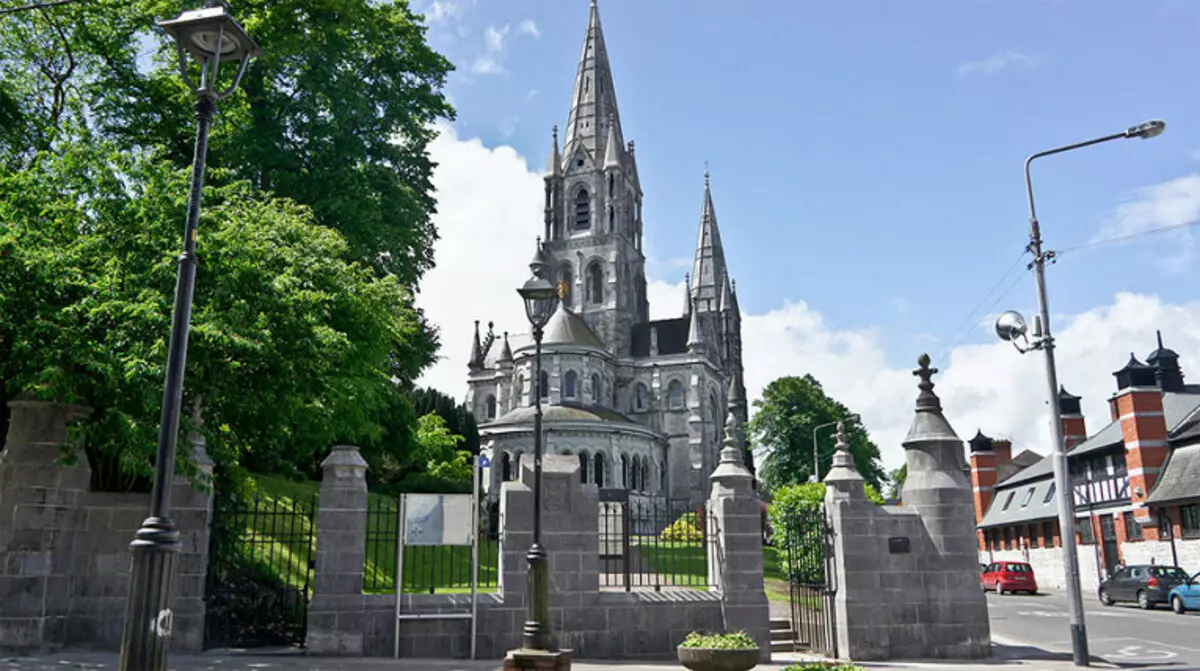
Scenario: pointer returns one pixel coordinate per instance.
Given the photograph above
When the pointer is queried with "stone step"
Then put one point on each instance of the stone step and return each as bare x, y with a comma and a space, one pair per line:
781, 623
782, 646
782, 635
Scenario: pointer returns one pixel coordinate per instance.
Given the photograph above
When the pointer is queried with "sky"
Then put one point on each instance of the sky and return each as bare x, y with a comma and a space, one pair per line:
867, 171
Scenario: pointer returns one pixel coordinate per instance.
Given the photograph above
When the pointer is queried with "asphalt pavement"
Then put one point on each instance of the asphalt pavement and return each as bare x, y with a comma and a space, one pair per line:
1122, 635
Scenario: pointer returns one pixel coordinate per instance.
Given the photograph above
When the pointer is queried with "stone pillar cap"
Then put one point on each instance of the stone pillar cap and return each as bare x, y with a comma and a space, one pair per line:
344, 455
843, 462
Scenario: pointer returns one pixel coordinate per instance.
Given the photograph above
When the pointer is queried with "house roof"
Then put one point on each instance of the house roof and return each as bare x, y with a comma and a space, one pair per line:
1029, 502
1180, 479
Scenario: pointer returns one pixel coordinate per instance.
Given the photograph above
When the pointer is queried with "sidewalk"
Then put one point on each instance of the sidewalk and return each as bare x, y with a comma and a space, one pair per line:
1014, 657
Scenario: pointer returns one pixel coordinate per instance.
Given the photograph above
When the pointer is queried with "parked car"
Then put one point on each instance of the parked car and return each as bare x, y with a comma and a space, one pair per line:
1186, 597
1145, 584
1009, 576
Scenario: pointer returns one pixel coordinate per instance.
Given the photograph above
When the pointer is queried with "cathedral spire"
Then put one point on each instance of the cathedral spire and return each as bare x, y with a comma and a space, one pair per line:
594, 111
612, 151
555, 167
476, 360
708, 270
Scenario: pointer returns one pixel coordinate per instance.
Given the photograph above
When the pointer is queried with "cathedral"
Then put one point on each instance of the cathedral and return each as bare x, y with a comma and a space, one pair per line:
641, 402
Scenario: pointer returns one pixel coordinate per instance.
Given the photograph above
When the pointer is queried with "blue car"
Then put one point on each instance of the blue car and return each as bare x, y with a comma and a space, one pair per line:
1186, 597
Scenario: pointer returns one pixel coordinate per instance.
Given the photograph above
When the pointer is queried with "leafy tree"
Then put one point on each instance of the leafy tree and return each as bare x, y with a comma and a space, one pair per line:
790, 500
782, 426
457, 416
896, 479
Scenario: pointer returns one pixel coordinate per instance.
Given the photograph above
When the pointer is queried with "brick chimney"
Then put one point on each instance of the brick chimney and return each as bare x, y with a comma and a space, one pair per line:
983, 472
1074, 428
1003, 449
1144, 429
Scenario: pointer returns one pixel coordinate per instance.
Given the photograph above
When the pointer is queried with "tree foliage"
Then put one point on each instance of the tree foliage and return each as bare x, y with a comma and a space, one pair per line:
316, 227
896, 480
457, 416
790, 500
782, 426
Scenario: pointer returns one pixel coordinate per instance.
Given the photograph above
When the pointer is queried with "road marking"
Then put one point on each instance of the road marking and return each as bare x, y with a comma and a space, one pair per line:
1139, 652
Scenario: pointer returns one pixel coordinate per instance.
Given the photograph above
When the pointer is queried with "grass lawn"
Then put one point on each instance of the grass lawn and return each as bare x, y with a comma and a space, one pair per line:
678, 564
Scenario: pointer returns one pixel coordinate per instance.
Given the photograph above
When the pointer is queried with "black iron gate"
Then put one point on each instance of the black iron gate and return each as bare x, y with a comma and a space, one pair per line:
260, 572
650, 542
808, 545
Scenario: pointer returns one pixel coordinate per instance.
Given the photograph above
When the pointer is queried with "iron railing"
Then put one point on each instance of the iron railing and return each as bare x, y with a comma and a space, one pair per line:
808, 551
652, 543
260, 571
428, 569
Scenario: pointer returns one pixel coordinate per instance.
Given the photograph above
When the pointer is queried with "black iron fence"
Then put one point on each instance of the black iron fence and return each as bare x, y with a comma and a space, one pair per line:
652, 543
260, 571
428, 569
808, 551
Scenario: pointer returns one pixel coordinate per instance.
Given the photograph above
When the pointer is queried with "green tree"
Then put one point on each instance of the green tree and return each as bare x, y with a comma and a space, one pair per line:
457, 416
438, 463
790, 500
782, 426
896, 480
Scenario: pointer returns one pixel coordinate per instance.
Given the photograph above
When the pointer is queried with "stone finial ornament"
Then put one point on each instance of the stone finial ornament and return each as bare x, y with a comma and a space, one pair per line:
927, 401
844, 473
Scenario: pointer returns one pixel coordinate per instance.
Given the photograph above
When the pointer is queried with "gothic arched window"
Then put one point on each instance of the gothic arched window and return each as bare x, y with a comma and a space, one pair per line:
625, 471
641, 398
595, 283
583, 210
566, 282
491, 407
645, 470
598, 471
596, 389
675, 395
570, 381
544, 385
583, 468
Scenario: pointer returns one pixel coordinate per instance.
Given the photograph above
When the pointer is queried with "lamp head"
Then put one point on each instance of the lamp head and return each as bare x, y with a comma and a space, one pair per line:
1147, 130
1011, 326
211, 32
540, 298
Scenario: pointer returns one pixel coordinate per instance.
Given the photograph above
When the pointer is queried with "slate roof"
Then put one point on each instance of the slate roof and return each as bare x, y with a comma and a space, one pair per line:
1025, 504
1181, 477
566, 412
567, 328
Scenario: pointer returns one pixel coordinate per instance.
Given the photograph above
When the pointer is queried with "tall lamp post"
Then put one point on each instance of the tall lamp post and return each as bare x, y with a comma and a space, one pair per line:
540, 298
210, 36
1011, 326
816, 455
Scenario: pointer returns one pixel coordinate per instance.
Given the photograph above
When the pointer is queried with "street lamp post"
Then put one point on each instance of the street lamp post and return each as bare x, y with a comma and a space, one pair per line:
816, 455
210, 35
1011, 326
540, 298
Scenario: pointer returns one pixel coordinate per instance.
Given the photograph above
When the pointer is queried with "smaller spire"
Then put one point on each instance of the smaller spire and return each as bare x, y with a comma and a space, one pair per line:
476, 360
555, 167
687, 294
843, 471
726, 301
612, 150
695, 343
505, 351
538, 264
731, 475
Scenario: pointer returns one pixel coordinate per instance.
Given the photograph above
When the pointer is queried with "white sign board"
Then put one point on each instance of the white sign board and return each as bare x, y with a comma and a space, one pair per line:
438, 519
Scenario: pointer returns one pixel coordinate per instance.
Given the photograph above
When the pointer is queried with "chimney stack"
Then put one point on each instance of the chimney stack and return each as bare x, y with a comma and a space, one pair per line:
983, 472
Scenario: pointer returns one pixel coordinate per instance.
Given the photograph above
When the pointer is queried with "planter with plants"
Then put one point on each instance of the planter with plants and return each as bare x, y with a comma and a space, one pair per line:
718, 652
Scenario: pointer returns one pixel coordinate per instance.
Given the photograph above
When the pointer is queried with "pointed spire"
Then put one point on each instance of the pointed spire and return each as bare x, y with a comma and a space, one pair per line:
708, 269
612, 152
505, 351
687, 294
476, 360
594, 114
695, 343
555, 167
726, 301
731, 474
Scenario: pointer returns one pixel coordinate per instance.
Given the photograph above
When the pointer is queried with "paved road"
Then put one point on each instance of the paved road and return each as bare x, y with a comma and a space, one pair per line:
1123, 635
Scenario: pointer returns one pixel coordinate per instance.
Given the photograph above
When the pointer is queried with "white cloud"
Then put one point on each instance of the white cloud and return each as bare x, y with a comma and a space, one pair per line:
490, 211
1171, 205
508, 127
441, 11
528, 27
1000, 61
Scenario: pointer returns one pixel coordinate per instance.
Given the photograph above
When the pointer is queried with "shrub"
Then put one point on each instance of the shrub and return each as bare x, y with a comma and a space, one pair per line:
736, 641
684, 530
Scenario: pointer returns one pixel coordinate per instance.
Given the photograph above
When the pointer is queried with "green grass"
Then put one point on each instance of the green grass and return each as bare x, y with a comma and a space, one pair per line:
682, 564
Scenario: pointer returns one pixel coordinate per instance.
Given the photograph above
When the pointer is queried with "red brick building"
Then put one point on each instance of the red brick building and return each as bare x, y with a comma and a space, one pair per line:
1136, 481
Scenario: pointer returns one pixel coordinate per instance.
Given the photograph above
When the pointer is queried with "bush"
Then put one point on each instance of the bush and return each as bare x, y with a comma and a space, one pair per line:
736, 641
684, 530
794, 500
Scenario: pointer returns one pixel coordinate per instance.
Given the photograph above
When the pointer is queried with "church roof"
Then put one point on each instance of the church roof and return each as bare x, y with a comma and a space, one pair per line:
567, 328
567, 412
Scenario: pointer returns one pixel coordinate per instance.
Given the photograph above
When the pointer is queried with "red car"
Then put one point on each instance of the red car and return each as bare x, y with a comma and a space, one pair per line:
1009, 576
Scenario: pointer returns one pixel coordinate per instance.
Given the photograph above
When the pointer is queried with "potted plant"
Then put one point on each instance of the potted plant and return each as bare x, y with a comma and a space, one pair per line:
718, 652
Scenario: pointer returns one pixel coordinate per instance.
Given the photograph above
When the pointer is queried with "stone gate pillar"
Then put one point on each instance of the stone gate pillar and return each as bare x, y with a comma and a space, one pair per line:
737, 567
40, 516
336, 614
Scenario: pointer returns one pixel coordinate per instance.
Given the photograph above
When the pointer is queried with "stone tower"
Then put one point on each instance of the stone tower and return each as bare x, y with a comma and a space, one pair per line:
593, 210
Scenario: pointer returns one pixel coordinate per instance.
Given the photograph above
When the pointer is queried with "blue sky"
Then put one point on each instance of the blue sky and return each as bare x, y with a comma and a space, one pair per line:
867, 156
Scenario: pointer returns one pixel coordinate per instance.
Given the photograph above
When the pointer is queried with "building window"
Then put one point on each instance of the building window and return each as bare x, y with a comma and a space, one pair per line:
625, 471
596, 391
1164, 525
1028, 497
1190, 515
583, 468
1086, 535
989, 539
506, 467
566, 282
1133, 530
490, 404
641, 398
569, 383
1008, 501
583, 210
544, 385
1048, 533
1049, 494
595, 284
675, 395
1008, 538
1033, 536
598, 469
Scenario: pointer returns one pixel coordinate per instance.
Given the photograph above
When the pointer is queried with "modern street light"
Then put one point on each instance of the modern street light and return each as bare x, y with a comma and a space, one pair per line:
209, 35
816, 455
1011, 326
540, 298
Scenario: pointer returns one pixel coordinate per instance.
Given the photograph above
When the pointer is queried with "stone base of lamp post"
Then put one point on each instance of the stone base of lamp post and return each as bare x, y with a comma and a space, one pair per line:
543, 660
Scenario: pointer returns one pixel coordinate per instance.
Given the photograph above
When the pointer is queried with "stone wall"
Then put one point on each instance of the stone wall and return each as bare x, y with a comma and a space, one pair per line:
64, 551
591, 622
1048, 565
